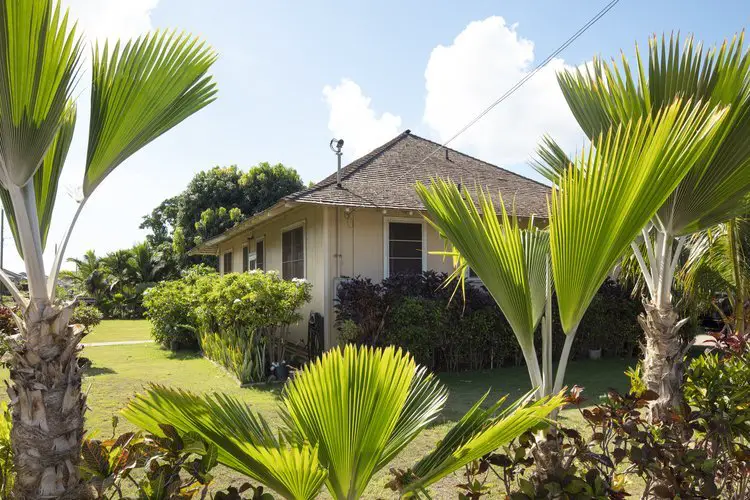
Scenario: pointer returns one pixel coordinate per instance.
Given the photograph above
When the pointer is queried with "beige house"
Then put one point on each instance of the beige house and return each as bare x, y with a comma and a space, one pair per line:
371, 225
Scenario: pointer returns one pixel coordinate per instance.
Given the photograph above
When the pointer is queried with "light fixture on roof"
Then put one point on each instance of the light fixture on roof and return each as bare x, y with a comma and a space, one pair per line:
336, 145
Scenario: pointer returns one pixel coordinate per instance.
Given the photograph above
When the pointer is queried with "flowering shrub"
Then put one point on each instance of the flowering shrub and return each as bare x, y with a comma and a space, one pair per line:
243, 316
86, 315
171, 306
235, 318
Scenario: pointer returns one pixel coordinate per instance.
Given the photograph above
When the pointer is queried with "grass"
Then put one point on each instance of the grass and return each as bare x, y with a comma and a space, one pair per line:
118, 372
119, 330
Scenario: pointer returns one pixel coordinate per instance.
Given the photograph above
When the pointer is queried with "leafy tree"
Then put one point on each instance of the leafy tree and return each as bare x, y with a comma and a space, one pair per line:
162, 220
216, 200
139, 91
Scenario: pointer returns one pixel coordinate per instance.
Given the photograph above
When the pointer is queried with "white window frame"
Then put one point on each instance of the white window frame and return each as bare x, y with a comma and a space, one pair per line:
286, 229
256, 241
386, 240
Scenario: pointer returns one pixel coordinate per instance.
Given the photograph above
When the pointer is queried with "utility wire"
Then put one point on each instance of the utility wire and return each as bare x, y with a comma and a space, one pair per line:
520, 83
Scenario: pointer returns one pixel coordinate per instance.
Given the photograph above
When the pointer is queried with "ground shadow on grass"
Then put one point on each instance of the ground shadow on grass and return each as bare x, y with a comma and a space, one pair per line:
596, 377
93, 371
182, 354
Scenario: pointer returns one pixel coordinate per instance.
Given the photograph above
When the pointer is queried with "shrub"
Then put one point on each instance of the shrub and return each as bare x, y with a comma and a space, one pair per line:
171, 306
7, 323
243, 320
414, 323
170, 465
7, 474
467, 330
86, 315
360, 311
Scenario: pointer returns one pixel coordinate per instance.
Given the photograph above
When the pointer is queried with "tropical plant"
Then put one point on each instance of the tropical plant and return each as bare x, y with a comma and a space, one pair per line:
346, 415
616, 185
139, 90
168, 466
605, 95
86, 315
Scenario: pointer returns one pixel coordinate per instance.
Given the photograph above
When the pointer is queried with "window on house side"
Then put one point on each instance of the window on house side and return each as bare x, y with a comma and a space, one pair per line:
405, 248
245, 259
293, 253
260, 255
227, 262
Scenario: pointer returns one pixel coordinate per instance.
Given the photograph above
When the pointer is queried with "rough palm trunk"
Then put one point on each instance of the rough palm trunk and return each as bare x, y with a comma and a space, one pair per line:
664, 353
48, 405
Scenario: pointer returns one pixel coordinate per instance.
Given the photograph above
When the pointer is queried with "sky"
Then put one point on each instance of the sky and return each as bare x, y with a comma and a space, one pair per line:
292, 75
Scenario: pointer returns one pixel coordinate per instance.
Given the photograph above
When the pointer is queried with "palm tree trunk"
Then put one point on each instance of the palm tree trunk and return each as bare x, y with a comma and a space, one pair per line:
663, 358
48, 404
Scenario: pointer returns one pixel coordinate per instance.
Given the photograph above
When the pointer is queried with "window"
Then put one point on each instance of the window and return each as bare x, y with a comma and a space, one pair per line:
260, 255
293, 253
227, 262
405, 248
245, 259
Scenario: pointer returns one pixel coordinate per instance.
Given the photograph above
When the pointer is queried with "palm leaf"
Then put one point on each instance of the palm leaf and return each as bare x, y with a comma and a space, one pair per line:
604, 95
613, 189
46, 179
510, 261
478, 433
39, 55
139, 92
552, 159
244, 440
360, 406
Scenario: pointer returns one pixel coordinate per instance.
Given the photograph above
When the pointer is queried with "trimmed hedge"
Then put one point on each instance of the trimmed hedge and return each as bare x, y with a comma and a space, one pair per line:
453, 333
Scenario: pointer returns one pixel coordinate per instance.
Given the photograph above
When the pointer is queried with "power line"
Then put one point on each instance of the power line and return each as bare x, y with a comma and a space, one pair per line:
520, 82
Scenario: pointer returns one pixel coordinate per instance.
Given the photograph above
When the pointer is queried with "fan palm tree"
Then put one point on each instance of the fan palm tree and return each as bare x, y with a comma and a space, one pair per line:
604, 95
601, 201
139, 90
717, 269
346, 415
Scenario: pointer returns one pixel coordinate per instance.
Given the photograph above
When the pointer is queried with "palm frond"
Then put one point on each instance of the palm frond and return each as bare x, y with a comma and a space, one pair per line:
551, 161
39, 56
45, 180
244, 440
139, 92
359, 406
602, 96
611, 192
510, 261
477, 433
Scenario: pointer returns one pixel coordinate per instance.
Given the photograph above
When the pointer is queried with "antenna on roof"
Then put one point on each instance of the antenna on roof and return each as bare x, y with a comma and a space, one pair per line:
336, 145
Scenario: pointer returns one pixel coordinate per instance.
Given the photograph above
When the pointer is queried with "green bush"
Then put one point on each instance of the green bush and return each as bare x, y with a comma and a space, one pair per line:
171, 307
7, 474
86, 315
243, 320
239, 320
413, 324
469, 332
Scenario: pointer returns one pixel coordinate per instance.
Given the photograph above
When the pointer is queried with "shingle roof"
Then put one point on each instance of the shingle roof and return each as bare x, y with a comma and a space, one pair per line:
385, 178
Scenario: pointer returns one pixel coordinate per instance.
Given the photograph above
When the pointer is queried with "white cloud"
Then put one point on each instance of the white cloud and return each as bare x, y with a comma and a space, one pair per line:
352, 118
487, 58
111, 19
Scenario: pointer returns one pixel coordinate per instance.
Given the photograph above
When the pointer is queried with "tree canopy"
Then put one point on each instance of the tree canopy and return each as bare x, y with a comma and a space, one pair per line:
216, 200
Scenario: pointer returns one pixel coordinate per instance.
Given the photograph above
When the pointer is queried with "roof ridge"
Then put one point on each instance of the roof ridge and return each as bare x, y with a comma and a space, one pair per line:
480, 160
364, 160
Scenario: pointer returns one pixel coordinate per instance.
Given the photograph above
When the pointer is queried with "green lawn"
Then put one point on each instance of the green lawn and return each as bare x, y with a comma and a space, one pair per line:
119, 330
117, 372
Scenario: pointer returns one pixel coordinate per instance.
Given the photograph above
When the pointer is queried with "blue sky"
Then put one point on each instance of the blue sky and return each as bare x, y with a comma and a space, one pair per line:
291, 75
